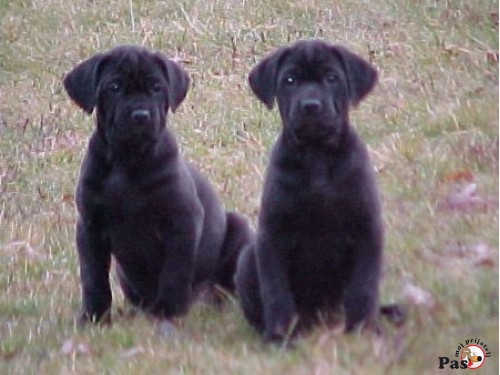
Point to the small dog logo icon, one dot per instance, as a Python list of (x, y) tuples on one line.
[(474, 355)]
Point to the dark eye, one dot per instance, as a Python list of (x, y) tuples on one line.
[(114, 87), (157, 87), (331, 78)]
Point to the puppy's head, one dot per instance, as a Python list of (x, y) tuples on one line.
[(314, 84), (131, 88)]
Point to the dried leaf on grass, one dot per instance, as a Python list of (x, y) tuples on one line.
[(20, 248), (457, 261), (492, 57), (70, 347), (68, 198), (465, 175), (459, 192), (494, 18), (133, 352), (417, 296), (465, 198), (9, 354), (479, 254)]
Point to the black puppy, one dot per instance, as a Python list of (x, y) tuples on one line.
[(320, 237), (138, 200)]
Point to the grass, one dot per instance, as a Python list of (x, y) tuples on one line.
[(431, 125)]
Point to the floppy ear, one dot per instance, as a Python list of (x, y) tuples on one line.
[(361, 75), (81, 83), (262, 77), (178, 81)]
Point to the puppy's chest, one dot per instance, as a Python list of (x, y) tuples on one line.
[(318, 180), (123, 195), (317, 198), (318, 185)]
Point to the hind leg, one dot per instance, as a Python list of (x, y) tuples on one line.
[(238, 237), (248, 289), (130, 293)]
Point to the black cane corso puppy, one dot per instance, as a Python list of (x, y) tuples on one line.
[(138, 200), (320, 236)]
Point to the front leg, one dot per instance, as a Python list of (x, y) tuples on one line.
[(177, 274), (277, 299), (95, 261), (361, 293)]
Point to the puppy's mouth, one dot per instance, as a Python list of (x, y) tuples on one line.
[(315, 131), (128, 131)]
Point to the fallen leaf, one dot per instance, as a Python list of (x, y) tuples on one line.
[(133, 352), (67, 347), (457, 260), (23, 248), (9, 354), (494, 18), (458, 176), (417, 296), (83, 349), (464, 198), (473, 255), (70, 347), (68, 198), (492, 57)]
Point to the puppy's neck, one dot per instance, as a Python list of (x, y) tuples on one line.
[(134, 154), (334, 146)]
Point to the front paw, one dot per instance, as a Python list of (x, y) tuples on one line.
[(85, 317), (281, 331), (170, 305), (274, 337)]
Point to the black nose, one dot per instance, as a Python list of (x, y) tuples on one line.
[(311, 106), (140, 115)]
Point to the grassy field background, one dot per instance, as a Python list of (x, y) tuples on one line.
[(431, 125)]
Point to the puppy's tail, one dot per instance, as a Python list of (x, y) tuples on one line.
[(395, 313), (238, 237)]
